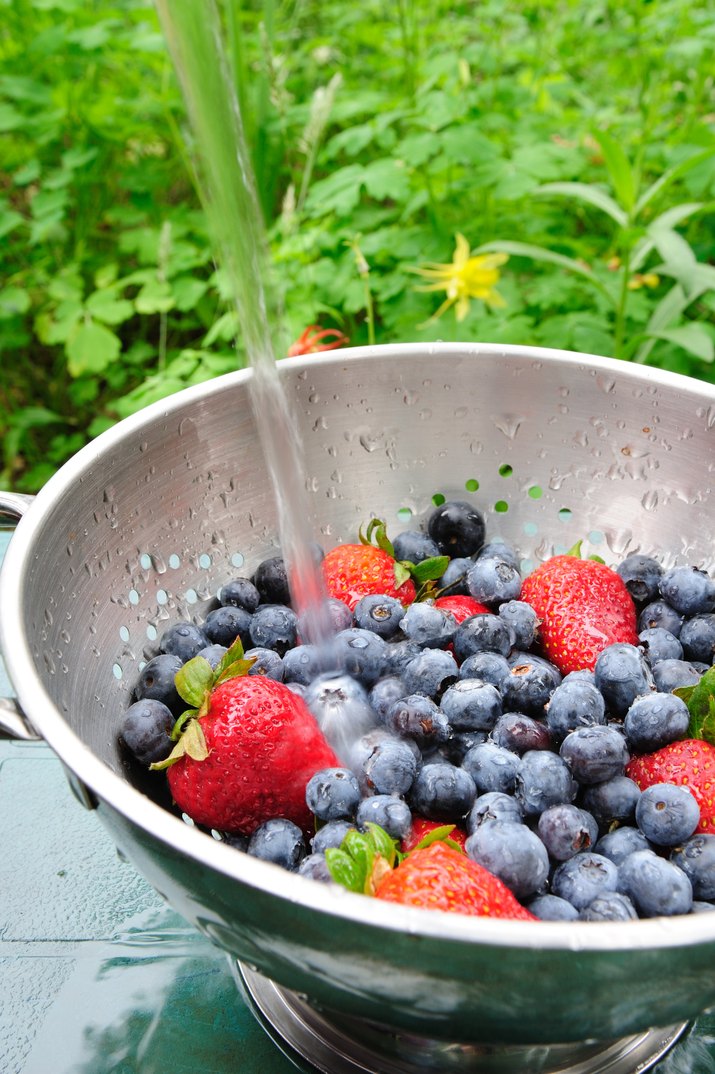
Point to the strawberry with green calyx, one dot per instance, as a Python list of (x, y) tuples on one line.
[(246, 749), (363, 858), (425, 832), (689, 762), (461, 607), (583, 606), (353, 571)]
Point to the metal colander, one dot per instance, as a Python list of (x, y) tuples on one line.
[(143, 526)]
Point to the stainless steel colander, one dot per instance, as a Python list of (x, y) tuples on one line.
[(143, 526)]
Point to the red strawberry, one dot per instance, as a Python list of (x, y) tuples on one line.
[(461, 607), (422, 827), (688, 763), (352, 571), (439, 878), (263, 746), (583, 606)]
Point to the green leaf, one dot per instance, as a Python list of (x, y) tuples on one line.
[(588, 193), (106, 307), (13, 302), (429, 569), (666, 221), (154, 297), (91, 349), (692, 337), (619, 169), (191, 744), (676, 172), (678, 255), (701, 706), (437, 835), (9, 220), (540, 253), (193, 680), (187, 291), (382, 843), (344, 869), (386, 179)]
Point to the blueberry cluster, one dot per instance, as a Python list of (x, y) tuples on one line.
[(466, 723)]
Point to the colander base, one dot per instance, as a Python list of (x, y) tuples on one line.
[(344, 1045)]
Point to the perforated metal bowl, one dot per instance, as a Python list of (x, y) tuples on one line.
[(143, 526)]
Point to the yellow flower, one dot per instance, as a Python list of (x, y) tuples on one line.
[(646, 279), (464, 278)]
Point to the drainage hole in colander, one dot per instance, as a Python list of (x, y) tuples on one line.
[(124, 633), (506, 470), (237, 560), (174, 561), (151, 632), (204, 561), (191, 596), (133, 596), (117, 671)]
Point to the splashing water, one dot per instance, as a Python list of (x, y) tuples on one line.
[(194, 36)]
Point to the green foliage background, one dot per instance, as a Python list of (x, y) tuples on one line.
[(576, 135)]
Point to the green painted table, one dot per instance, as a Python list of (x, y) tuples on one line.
[(99, 976)]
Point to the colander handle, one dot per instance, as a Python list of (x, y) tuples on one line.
[(12, 721)]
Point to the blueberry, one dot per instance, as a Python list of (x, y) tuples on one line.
[(641, 575), (698, 638), (387, 764), (339, 613), (213, 654), (667, 814), (492, 768), (454, 579), (552, 908), (471, 705), (613, 801), (660, 644), (566, 830), (398, 655), (457, 527), (427, 625), (274, 626), (241, 593), (493, 581), (315, 866), (584, 876), (279, 841), (156, 681), (493, 805), (696, 857), (380, 614), (523, 621), (655, 886), (431, 673), (622, 675), (302, 663), (271, 581), (595, 754), (361, 653), (699, 907), (442, 792), (391, 813), (543, 780), (223, 625), (146, 729), (460, 743), (331, 835), (621, 843), (669, 675), (413, 546), (609, 906), (183, 640), (336, 614), (655, 720), (528, 686), (341, 707), (500, 550), (482, 633), (267, 663), (519, 733), (688, 589), (574, 703), (512, 852), (489, 667), (384, 694), (236, 840), (418, 717), (333, 794), (660, 614)]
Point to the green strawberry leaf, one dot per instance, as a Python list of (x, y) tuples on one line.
[(232, 654), (193, 680), (362, 858), (376, 529), (344, 869), (439, 835), (237, 669), (191, 744), (575, 550), (402, 574), (429, 569), (382, 843), (178, 727), (701, 706)]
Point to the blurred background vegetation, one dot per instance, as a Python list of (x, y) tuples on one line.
[(577, 136)]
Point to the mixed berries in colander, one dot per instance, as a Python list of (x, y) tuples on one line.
[(536, 747)]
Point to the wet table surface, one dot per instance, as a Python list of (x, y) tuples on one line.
[(99, 976)]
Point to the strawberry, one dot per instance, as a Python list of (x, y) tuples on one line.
[(461, 607), (583, 606), (352, 571), (440, 878), (422, 827), (245, 755), (688, 763)]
